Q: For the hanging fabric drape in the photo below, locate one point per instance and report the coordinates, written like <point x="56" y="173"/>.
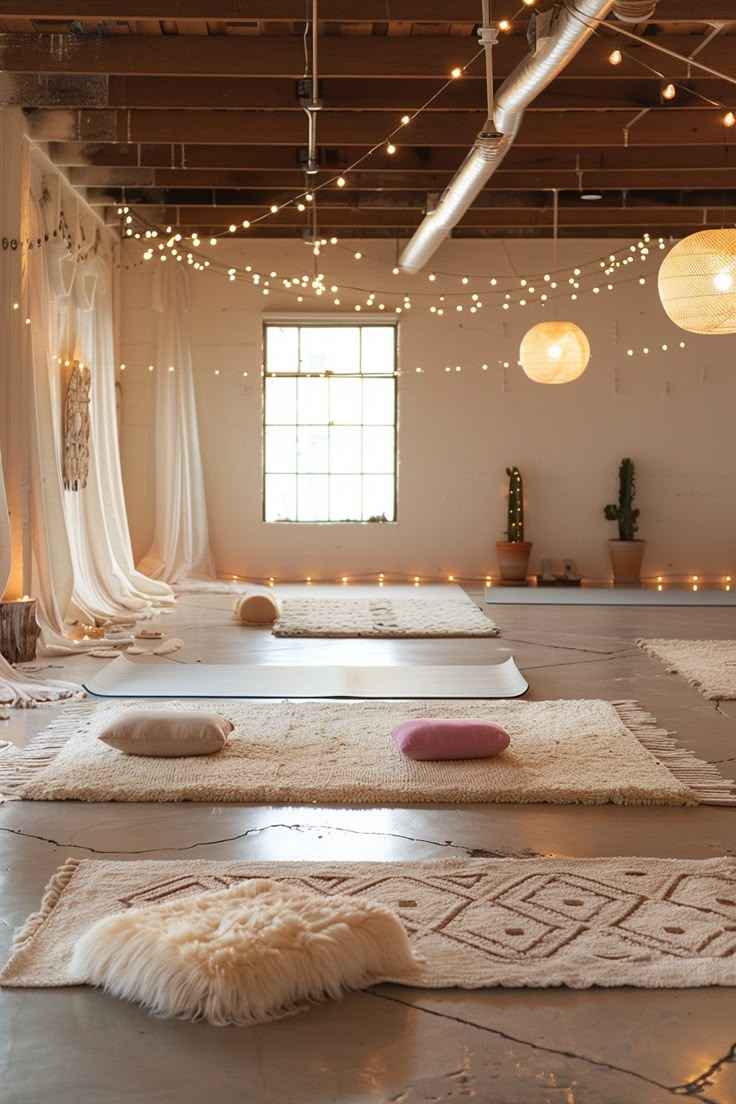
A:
<point x="180" y="547"/>
<point x="16" y="688"/>
<point x="82" y="558"/>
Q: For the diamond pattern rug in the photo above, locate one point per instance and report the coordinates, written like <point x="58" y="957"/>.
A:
<point x="650" y="923"/>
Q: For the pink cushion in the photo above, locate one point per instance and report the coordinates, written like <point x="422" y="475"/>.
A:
<point x="461" y="739"/>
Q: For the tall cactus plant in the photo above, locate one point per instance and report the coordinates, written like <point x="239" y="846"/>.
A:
<point x="624" y="513"/>
<point x="515" y="529"/>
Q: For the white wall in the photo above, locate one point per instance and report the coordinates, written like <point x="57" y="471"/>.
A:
<point x="672" y="412"/>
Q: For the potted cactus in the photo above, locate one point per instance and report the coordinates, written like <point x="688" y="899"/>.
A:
<point x="627" y="552"/>
<point x="513" y="554"/>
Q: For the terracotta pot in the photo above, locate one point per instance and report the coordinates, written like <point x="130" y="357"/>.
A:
<point x="626" y="557"/>
<point x="513" y="560"/>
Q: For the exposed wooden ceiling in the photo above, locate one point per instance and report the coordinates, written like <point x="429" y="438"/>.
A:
<point x="189" y="112"/>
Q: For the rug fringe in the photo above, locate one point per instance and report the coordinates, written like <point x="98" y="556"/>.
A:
<point x="20" y="765"/>
<point x="50" y="899"/>
<point x="706" y="782"/>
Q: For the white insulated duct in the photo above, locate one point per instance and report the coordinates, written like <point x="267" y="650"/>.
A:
<point x="569" y="31"/>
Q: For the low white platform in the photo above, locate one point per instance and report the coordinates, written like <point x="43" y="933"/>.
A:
<point x="606" y="596"/>
<point x="159" y="678"/>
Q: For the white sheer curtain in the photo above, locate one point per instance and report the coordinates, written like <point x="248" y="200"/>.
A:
<point x="180" y="547"/>
<point x="82" y="557"/>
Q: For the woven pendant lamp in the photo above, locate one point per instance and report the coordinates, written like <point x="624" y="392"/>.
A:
<point x="554" y="352"/>
<point x="697" y="282"/>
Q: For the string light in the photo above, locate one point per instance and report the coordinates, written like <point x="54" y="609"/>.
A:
<point x="390" y="148"/>
<point x="669" y="92"/>
<point x="729" y="119"/>
<point x="456" y="72"/>
<point x="340" y="181"/>
<point x="615" y="57"/>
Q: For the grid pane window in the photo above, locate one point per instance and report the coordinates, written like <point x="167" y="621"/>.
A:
<point x="330" y="422"/>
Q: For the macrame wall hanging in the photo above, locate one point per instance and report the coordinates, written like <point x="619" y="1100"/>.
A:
<point x="76" y="428"/>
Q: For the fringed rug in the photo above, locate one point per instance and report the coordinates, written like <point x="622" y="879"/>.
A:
<point x="382" y="617"/>
<point x="476" y="923"/>
<point x="708" y="665"/>
<point x="579" y="752"/>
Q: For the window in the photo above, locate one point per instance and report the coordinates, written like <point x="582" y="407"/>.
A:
<point x="330" y="422"/>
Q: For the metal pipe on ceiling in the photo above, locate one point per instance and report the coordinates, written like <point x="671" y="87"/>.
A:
<point x="560" y="35"/>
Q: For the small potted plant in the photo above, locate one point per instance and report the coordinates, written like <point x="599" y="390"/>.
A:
<point x="513" y="554"/>
<point x="627" y="552"/>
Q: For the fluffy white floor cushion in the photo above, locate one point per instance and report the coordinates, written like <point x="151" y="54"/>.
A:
<point x="257" y="951"/>
<point x="257" y="608"/>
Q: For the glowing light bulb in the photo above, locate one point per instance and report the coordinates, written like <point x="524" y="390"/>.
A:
<point x="344" y="580"/>
<point x="232" y="228"/>
<point x="659" y="586"/>
<point x="723" y="281"/>
<point x="669" y="92"/>
<point x="456" y="72"/>
<point x="451" y="578"/>
<point x="615" y="57"/>
<point x="340" y="181"/>
<point x="729" y="119"/>
<point x="274" y="208"/>
<point x="390" y="148"/>
<point x="504" y="25"/>
<point x="405" y="120"/>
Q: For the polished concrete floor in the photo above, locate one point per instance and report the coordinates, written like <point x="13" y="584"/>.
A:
<point x="389" y="1044"/>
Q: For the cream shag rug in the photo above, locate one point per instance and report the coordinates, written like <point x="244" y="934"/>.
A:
<point x="709" y="665"/>
<point x="587" y="752"/>
<point x="382" y="617"/>
<point x="651" y="923"/>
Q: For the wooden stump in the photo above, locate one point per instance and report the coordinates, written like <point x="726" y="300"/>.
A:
<point x="19" y="630"/>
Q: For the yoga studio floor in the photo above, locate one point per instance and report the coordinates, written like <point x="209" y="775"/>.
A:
<point x="389" y="1044"/>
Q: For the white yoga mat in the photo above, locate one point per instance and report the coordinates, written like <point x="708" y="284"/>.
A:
<point x="606" y="596"/>
<point x="125" y="678"/>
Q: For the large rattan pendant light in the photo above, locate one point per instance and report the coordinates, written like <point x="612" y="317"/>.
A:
<point x="697" y="282"/>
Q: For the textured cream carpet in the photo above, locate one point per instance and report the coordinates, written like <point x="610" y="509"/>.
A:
<point x="709" y="665"/>
<point x="383" y="617"/>
<point x="588" y="752"/>
<point x="651" y="923"/>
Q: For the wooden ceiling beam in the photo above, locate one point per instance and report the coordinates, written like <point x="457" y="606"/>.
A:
<point x="343" y="56"/>
<point x="573" y="129"/>
<point x="330" y="200"/>
<point x="407" y="158"/>
<point x="394" y="96"/>
<point x="283" y="180"/>
<point x="339" y="11"/>
<point x="632" y="220"/>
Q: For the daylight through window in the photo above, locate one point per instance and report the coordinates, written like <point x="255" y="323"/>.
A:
<point x="330" y="422"/>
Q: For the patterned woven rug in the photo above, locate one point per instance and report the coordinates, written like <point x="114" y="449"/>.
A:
<point x="382" y="617"/>
<point x="651" y="923"/>
<point x="708" y="665"/>
<point x="565" y="752"/>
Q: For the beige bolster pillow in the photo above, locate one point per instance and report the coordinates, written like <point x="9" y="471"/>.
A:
<point x="257" y="608"/>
